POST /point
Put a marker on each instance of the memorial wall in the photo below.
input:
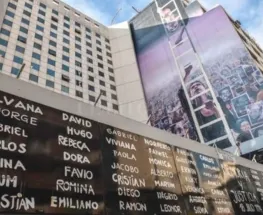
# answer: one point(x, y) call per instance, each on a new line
point(55, 162)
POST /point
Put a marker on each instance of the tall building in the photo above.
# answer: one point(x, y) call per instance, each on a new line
point(52, 45)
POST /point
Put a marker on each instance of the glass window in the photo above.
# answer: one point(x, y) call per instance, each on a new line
point(103, 92)
point(113, 96)
point(79, 83)
point(18, 60)
point(66, 32)
point(102, 83)
point(91, 88)
point(103, 102)
point(14, 71)
point(89, 52)
point(65, 78)
point(3, 42)
point(110, 70)
point(7, 22)
point(88, 30)
point(25, 21)
point(100, 65)
point(35, 66)
point(99, 57)
point(20, 49)
point(77, 31)
point(38, 36)
point(88, 44)
point(27, 13)
point(109, 54)
point(54, 19)
point(2, 53)
point(65, 40)
point(77, 38)
point(21, 39)
point(112, 87)
point(54, 26)
point(66, 18)
point(5, 32)
point(28, 5)
point(52, 43)
point(33, 78)
point(99, 49)
point(51, 62)
point(107, 40)
point(79, 73)
point(101, 74)
point(50, 83)
point(109, 62)
point(42, 13)
point(24, 30)
point(90, 69)
point(65, 49)
point(112, 78)
point(66, 25)
point(52, 34)
point(52, 52)
point(115, 107)
point(64, 89)
point(88, 37)
point(9, 13)
point(92, 98)
point(40, 28)
point(107, 47)
point(36, 56)
point(12, 5)
point(90, 60)
point(97, 35)
point(43, 6)
point(1, 66)
point(77, 54)
point(77, 24)
point(55, 12)
point(79, 94)
point(77, 63)
point(65, 58)
point(51, 72)
point(77, 46)
point(91, 78)
point(65, 68)
point(98, 42)
point(37, 46)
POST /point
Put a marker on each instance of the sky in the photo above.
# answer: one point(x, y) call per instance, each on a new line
point(248, 12)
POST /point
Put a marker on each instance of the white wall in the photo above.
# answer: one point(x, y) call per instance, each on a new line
point(128, 82)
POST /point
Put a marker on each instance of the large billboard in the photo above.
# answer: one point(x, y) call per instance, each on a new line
point(204, 57)
point(55, 162)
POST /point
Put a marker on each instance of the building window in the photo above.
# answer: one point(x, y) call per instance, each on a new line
point(79, 94)
point(65, 68)
point(77, 39)
point(77, 31)
point(102, 83)
point(90, 69)
point(3, 42)
point(33, 78)
point(65, 58)
point(14, 71)
point(5, 32)
point(9, 13)
point(66, 32)
point(101, 74)
point(28, 5)
point(79, 73)
point(65, 40)
point(65, 49)
point(43, 6)
point(51, 62)
point(108, 47)
point(42, 13)
point(55, 12)
point(54, 27)
point(107, 40)
point(79, 83)
point(113, 87)
point(108, 54)
point(67, 18)
point(92, 98)
point(7, 22)
point(36, 56)
point(77, 63)
point(89, 52)
point(90, 60)
point(100, 65)
point(112, 78)
point(91, 78)
point(2, 53)
point(88, 30)
point(37, 46)
point(24, 30)
point(103, 102)
point(40, 20)
point(51, 72)
point(40, 28)
point(91, 88)
point(99, 49)
point(77, 24)
point(18, 60)
point(1, 66)
point(12, 5)
point(26, 13)
point(54, 19)
point(25, 21)
point(35, 66)
point(64, 89)
point(109, 62)
point(52, 43)
point(21, 39)
point(115, 107)
point(97, 35)
point(77, 54)
point(52, 34)
point(99, 57)
point(52, 52)
point(38, 36)
point(103, 92)
point(113, 96)
point(110, 70)
point(50, 83)
point(89, 44)
point(66, 25)
point(77, 46)
point(88, 37)
point(65, 78)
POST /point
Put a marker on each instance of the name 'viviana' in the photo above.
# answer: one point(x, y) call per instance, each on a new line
point(121, 144)
point(20, 105)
